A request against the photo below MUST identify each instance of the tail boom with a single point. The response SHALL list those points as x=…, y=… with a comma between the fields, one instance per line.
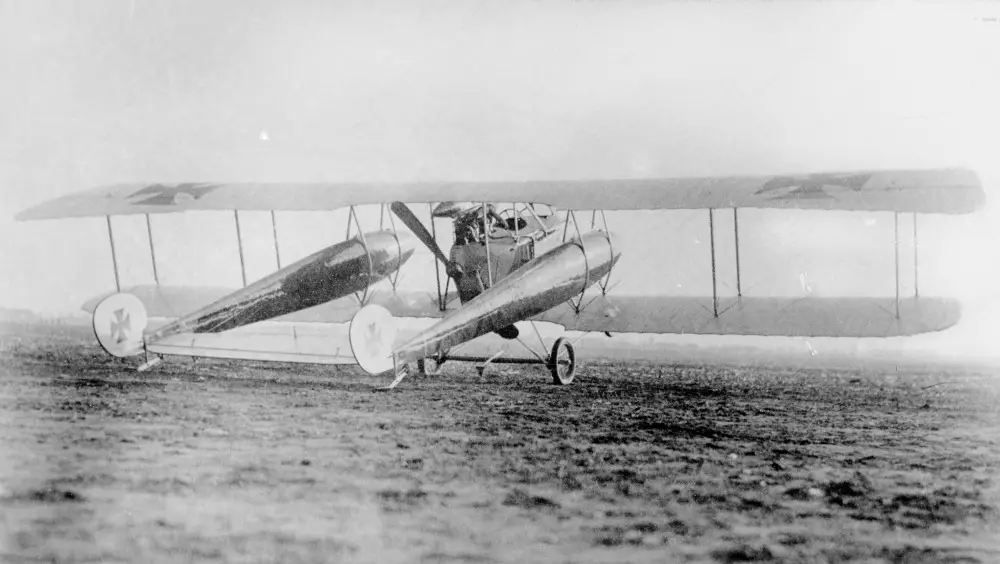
x=332, y=273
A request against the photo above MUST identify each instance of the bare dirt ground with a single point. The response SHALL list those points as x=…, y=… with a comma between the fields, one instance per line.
x=241, y=462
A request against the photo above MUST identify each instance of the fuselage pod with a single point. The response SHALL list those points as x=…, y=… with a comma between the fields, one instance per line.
x=334, y=272
x=541, y=284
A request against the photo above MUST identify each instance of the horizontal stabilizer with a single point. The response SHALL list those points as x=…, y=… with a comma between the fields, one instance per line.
x=315, y=343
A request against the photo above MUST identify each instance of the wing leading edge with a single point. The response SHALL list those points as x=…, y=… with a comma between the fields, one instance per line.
x=951, y=191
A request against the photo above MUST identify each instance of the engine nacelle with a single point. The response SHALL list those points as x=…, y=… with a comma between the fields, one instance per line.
x=541, y=284
x=332, y=273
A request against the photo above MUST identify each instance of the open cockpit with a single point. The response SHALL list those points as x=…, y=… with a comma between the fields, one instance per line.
x=474, y=222
x=491, y=240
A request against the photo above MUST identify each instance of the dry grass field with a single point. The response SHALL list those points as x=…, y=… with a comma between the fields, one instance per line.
x=634, y=462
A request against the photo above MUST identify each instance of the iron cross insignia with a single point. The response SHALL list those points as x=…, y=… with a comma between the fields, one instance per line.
x=813, y=186
x=121, y=326
x=374, y=339
x=170, y=195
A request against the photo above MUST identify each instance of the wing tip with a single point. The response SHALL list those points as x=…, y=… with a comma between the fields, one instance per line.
x=37, y=211
x=43, y=212
x=61, y=207
x=975, y=185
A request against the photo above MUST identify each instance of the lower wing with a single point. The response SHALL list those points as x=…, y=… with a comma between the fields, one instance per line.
x=314, y=343
x=790, y=317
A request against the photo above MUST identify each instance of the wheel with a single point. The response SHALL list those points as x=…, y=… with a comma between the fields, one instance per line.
x=562, y=362
x=428, y=367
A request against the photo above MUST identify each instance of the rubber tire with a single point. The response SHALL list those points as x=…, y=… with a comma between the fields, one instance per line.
x=424, y=363
x=567, y=378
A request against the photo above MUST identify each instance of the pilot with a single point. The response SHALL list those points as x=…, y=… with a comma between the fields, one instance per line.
x=469, y=226
x=493, y=217
x=466, y=231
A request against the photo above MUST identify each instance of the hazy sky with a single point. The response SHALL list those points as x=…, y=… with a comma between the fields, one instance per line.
x=107, y=91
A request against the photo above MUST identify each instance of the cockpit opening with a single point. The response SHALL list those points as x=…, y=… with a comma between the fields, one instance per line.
x=514, y=221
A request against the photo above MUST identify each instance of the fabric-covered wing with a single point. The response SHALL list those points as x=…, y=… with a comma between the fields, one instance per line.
x=311, y=343
x=790, y=317
x=921, y=191
x=315, y=343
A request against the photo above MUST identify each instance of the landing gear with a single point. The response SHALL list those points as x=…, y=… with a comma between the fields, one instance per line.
x=372, y=349
x=482, y=367
x=151, y=361
x=562, y=362
x=428, y=367
x=401, y=371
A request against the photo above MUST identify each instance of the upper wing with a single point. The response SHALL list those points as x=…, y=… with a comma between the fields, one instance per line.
x=922, y=191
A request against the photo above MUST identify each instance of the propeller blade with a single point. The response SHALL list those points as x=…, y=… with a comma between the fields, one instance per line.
x=404, y=213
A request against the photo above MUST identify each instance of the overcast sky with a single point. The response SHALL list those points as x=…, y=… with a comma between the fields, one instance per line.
x=107, y=91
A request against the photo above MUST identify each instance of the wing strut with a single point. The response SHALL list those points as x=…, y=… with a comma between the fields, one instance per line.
x=916, y=278
x=607, y=235
x=399, y=246
x=736, y=233
x=152, y=250
x=114, y=255
x=437, y=266
x=895, y=229
x=351, y=214
x=274, y=232
x=577, y=303
x=711, y=242
x=486, y=239
x=239, y=243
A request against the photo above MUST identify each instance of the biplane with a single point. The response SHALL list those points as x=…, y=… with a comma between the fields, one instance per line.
x=547, y=256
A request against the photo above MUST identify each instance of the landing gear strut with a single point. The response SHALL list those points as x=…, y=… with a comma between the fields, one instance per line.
x=560, y=360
